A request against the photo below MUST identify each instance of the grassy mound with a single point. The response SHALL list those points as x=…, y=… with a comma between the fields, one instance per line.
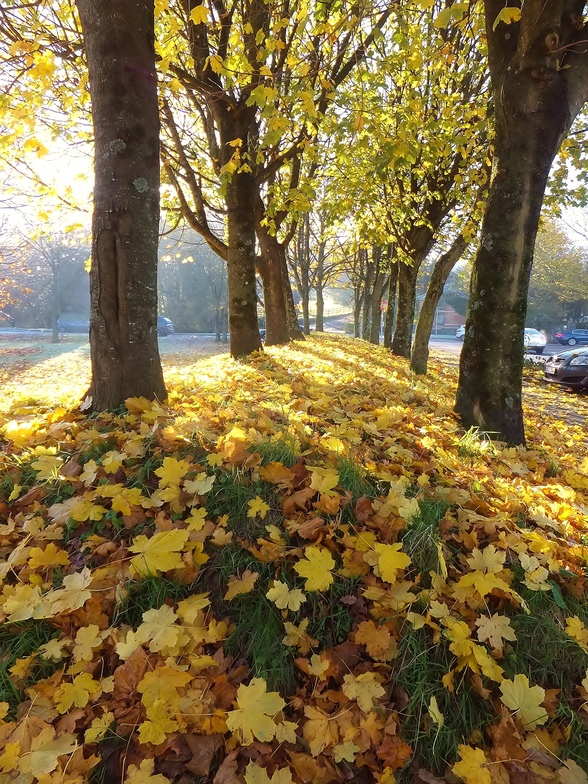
x=299, y=569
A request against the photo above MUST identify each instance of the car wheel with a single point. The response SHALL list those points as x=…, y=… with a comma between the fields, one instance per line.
x=538, y=351
x=572, y=341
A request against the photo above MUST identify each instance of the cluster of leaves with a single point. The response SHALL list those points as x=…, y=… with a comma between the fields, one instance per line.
x=298, y=569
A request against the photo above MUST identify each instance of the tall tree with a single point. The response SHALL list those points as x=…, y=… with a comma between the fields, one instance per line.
x=539, y=70
x=119, y=43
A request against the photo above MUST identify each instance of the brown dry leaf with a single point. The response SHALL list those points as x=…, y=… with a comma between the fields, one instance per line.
x=394, y=751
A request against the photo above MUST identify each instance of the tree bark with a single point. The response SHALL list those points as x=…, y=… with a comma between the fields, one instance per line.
x=443, y=266
x=119, y=42
x=536, y=101
x=391, y=307
x=402, y=340
x=269, y=266
x=243, y=328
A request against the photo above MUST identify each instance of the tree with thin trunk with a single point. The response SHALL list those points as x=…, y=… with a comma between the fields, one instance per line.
x=119, y=43
x=539, y=70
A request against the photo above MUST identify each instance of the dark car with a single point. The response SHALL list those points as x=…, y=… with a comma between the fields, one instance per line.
x=164, y=326
x=572, y=337
x=72, y=326
x=570, y=369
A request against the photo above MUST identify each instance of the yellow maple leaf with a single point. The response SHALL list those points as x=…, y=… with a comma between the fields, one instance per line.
x=253, y=717
x=199, y=15
x=435, y=713
x=87, y=638
x=144, y=774
x=201, y=485
x=318, y=731
x=389, y=560
x=297, y=636
x=318, y=666
x=172, y=471
x=158, y=724
x=365, y=689
x=77, y=693
x=257, y=507
x=240, y=585
x=487, y=560
x=73, y=595
x=323, y=479
x=158, y=554
x=472, y=766
x=346, y=751
x=577, y=631
x=10, y=757
x=160, y=630
x=49, y=557
x=525, y=700
x=285, y=598
x=316, y=569
x=45, y=751
x=162, y=684
x=98, y=728
x=255, y=774
x=495, y=630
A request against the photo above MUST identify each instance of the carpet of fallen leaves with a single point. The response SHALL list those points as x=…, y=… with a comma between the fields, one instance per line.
x=297, y=569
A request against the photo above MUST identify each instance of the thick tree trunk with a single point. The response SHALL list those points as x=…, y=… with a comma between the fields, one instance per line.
x=119, y=41
x=443, y=266
x=376, y=309
x=305, y=312
x=243, y=328
x=320, y=309
x=405, y=309
x=391, y=307
x=532, y=117
x=270, y=269
x=294, y=331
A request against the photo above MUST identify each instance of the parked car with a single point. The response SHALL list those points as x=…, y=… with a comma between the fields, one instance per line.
x=72, y=326
x=570, y=368
x=534, y=340
x=572, y=337
x=164, y=326
x=460, y=332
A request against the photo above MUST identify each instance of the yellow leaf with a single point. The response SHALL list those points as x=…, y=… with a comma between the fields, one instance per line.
x=323, y=479
x=87, y=638
x=525, y=700
x=487, y=560
x=285, y=598
x=365, y=689
x=159, y=723
x=98, y=728
x=495, y=630
x=390, y=560
x=172, y=471
x=507, y=15
x=160, y=630
x=49, y=557
x=472, y=766
x=239, y=585
x=435, y=713
x=201, y=485
x=254, y=716
x=296, y=636
x=345, y=751
x=45, y=751
x=316, y=569
x=577, y=631
x=199, y=15
x=254, y=774
x=162, y=684
x=158, y=554
x=76, y=693
x=144, y=774
x=10, y=757
x=317, y=666
x=257, y=508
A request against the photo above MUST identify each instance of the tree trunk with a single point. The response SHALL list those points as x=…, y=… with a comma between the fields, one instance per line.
x=119, y=42
x=391, y=307
x=305, y=312
x=407, y=277
x=369, y=274
x=294, y=331
x=376, y=309
x=244, y=331
x=443, y=266
x=534, y=111
x=270, y=269
x=320, y=309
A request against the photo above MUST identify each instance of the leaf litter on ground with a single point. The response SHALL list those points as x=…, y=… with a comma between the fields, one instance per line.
x=296, y=569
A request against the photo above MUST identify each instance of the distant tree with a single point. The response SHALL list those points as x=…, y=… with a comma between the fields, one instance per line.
x=119, y=43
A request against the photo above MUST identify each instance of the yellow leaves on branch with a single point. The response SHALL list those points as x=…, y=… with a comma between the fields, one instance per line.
x=254, y=716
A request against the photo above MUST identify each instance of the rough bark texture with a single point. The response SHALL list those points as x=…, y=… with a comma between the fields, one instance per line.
x=243, y=328
x=443, y=266
x=391, y=307
x=537, y=70
x=407, y=277
x=269, y=266
x=119, y=42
